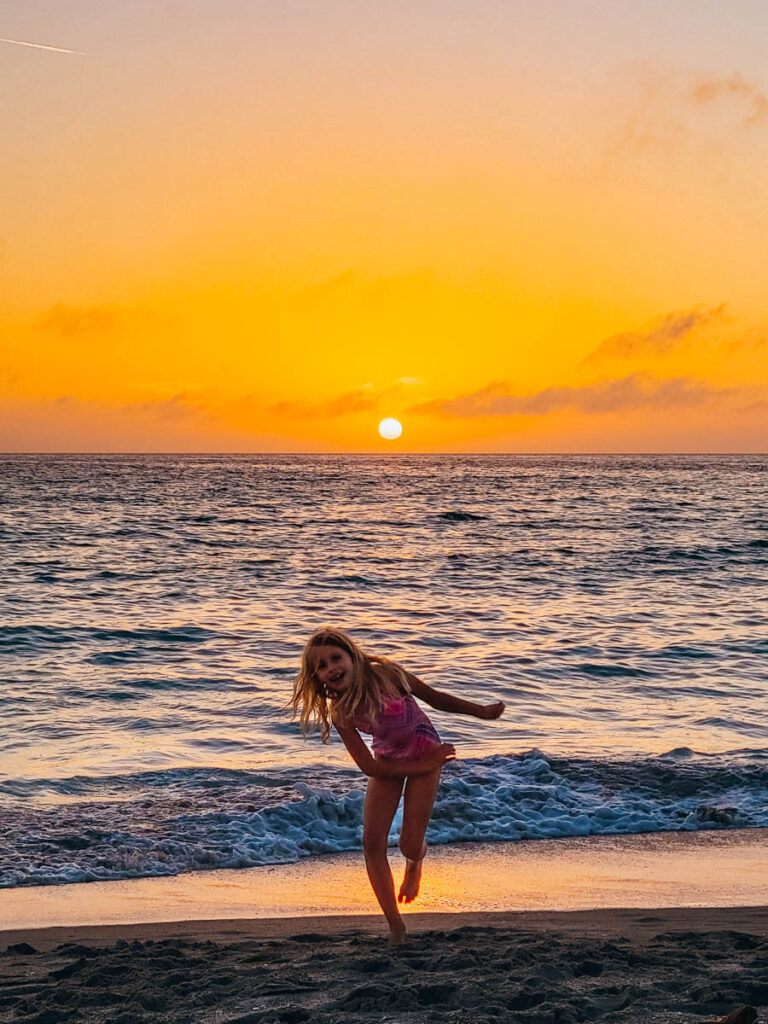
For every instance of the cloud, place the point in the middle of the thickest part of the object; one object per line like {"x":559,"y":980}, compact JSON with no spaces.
{"x":76,"y":321}
{"x":637,"y":391}
{"x":362,"y":399}
{"x":71,"y":321}
{"x":736,"y":89}
{"x":653,"y":123}
{"x":753,"y":341}
{"x":357,"y":290}
{"x":660,"y":338}
{"x":215,"y":407}
{"x":181,"y":406}
{"x":671,"y":111}
{"x":358,"y":400}
{"x":73,"y":423}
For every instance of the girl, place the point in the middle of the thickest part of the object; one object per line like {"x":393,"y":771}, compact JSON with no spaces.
{"x":339,"y":685}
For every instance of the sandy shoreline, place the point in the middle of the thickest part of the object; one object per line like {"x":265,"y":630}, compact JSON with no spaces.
{"x":672,"y":869}
{"x":551,"y":933}
{"x":668,"y":966}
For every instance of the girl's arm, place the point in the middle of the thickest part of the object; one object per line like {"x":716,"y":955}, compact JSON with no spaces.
{"x":447,"y":702}
{"x":368,"y":764}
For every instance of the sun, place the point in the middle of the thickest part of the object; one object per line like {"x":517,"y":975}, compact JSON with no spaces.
{"x":390,"y":429}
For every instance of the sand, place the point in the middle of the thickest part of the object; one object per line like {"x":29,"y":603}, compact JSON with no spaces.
{"x":83,"y":954}
{"x":661,"y":966}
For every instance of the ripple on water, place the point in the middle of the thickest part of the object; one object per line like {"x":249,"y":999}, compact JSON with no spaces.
{"x":613,"y":602}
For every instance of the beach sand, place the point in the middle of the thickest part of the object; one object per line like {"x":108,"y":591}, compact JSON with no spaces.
{"x":672,"y":965}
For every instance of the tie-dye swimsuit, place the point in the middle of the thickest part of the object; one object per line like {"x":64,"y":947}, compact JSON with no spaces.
{"x":402,"y":731}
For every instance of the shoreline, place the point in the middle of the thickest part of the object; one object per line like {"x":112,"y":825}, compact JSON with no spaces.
{"x":660,"y":928}
{"x":720,"y":868}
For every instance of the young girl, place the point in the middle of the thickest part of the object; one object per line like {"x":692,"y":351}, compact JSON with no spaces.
{"x":339,"y":685}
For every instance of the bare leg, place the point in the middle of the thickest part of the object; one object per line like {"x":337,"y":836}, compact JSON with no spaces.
{"x":420,"y":793}
{"x":381,"y":800}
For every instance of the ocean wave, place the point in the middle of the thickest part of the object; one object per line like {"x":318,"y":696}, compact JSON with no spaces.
{"x":143,"y":688}
{"x":460,"y":517}
{"x":610,"y":669}
{"x":33,"y":637}
{"x":188,"y":821}
{"x":743,"y":551}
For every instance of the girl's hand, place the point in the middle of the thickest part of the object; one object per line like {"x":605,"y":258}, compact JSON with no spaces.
{"x":445,"y":752}
{"x":491,"y":711}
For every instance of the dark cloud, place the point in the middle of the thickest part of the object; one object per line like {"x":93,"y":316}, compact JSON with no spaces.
{"x":638,"y":391}
{"x":660,"y":338}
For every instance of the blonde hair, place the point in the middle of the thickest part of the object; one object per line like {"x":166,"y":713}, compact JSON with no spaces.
{"x":373,"y":680}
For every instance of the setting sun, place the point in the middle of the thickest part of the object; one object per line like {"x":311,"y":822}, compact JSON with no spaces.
{"x":390,"y":429}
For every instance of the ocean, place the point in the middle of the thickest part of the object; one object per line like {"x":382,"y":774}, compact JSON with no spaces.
{"x":153,"y":610}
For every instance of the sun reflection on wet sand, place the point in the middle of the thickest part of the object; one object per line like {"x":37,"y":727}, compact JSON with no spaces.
{"x":652,"y":870}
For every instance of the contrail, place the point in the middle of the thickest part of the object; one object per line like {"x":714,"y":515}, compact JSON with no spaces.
{"x":41,"y":46}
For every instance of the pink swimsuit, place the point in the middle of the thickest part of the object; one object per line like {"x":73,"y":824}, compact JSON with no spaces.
{"x":402,"y":730}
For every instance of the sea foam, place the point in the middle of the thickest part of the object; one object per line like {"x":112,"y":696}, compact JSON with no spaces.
{"x":496,"y":799}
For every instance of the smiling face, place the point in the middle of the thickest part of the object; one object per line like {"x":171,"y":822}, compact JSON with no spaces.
{"x":332,"y":667}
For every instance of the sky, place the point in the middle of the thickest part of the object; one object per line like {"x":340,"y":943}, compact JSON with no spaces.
{"x":266,"y":225}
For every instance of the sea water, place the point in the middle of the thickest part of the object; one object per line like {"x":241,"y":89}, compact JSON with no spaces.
{"x":153,"y":610}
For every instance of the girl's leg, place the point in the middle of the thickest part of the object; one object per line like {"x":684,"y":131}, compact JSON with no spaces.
{"x":381,"y":800}
{"x":420,"y":793}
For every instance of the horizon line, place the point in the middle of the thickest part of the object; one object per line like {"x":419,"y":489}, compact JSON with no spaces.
{"x":387,"y":454}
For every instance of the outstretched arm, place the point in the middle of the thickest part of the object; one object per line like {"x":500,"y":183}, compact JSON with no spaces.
{"x":447,"y":702}
{"x":368,"y":764}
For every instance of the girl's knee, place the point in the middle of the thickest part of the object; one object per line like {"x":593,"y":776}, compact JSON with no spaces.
{"x":412,"y":849}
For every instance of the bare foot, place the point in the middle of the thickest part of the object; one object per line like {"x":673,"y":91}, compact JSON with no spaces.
{"x":409,"y":890}
{"x":397,"y":934}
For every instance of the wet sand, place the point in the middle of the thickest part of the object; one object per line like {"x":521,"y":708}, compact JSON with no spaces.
{"x":670,"y":869}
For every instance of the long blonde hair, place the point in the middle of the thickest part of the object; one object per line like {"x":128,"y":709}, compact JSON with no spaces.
{"x":373,"y":680}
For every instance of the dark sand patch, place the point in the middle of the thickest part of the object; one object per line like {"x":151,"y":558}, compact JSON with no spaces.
{"x":659,"y":967}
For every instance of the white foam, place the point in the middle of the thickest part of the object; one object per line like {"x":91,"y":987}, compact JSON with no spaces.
{"x":496,"y":799}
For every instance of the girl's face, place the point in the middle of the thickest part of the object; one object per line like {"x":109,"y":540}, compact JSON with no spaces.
{"x":333,"y":668}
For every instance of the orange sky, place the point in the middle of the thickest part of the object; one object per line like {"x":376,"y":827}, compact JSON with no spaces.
{"x":247,"y":227}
